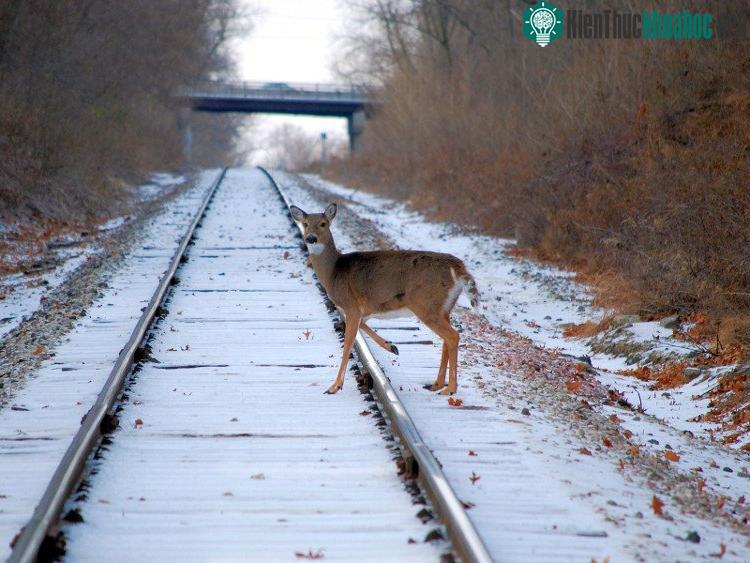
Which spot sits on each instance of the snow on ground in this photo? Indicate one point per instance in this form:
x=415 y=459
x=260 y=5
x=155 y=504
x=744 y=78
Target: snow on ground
x=161 y=183
x=538 y=301
x=536 y=461
x=239 y=455
x=46 y=413
x=21 y=294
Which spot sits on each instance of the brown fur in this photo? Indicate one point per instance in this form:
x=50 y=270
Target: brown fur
x=362 y=284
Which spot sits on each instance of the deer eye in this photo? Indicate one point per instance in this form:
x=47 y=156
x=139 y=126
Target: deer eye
x=323 y=224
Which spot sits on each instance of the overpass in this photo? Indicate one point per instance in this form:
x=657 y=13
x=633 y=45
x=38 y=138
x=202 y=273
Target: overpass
x=328 y=100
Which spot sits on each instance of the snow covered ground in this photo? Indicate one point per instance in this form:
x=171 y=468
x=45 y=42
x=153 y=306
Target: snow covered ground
x=22 y=293
x=37 y=429
x=228 y=450
x=577 y=483
x=548 y=473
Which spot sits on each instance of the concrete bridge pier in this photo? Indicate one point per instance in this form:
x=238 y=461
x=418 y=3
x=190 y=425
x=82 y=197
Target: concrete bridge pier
x=356 y=124
x=186 y=132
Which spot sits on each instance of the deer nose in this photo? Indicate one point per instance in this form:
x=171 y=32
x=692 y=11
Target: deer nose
x=311 y=239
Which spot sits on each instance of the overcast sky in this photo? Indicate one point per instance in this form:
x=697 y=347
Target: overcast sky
x=292 y=41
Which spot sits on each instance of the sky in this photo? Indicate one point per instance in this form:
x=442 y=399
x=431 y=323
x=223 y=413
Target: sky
x=291 y=41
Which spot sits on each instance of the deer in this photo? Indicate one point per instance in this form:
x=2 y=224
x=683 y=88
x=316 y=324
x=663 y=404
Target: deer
x=388 y=283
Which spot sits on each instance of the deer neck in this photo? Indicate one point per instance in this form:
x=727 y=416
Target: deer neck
x=325 y=263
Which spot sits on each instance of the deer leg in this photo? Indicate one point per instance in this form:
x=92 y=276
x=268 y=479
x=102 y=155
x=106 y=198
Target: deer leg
x=379 y=340
x=441 y=326
x=452 y=343
x=350 y=333
x=440 y=379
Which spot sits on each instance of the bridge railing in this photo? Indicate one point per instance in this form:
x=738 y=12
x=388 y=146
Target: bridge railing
x=275 y=90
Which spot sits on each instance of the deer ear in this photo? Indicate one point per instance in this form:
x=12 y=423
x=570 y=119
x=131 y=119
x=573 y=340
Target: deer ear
x=297 y=213
x=330 y=211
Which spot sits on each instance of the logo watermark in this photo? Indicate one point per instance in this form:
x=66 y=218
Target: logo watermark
x=542 y=23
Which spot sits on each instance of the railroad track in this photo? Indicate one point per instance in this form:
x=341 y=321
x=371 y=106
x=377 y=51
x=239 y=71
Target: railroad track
x=184 y=440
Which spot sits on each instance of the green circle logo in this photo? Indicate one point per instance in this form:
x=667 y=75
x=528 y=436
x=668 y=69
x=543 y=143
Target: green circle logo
x=542 y=23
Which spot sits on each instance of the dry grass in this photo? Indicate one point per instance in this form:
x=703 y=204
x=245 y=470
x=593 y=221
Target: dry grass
x=86 y=103
x=667 y=376
x=639 y=184
x=587 y=329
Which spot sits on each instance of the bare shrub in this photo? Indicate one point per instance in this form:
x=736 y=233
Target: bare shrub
x=86 y=95
x=625 y=159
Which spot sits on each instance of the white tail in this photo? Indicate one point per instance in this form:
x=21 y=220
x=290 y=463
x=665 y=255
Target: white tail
x=382 y=283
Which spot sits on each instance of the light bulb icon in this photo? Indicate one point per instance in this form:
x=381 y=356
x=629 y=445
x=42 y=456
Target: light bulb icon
x=542 y=21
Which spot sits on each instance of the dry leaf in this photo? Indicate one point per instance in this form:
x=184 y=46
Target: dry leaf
x=607 y=442
x=657 y=505
x=365 y=413
x=474 y=477
x=633 y=450
x=138 y=423
x=310 y=554
x=722 y=551
x=585 y=451
x=38 y=350
x=307 y=334
x=472 y=453
x=671 y=456
x=573 y=386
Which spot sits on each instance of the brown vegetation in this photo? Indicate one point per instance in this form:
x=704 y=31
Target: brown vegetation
x=627 y=159
x=86 y=98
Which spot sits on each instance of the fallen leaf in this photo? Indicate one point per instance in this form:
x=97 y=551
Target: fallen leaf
x=472 y=453
x=657 y=505
x=720 y=502
x=741 y=500
x=474 y=477
x=607 y=442
x=310 y=554
x=365 y=413
x=614 y=418
x=455 y=402
x=307 y=334
x=103 y=501
x=671 y=456
x=633 y=450
x=701 y=484
x=38 y=350
x=722 y=551
x=138 y=423
x=628 y=434
x=258 y=476
x=573 y=386
x=585 y=451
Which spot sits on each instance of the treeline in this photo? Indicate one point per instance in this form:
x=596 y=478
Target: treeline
x=626 y=159
x=86 y=97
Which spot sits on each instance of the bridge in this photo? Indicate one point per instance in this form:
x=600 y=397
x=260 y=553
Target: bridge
x=328 y=100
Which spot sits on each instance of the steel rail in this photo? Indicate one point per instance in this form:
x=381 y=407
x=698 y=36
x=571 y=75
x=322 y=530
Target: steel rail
x=70 y=468
x=417 y=455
